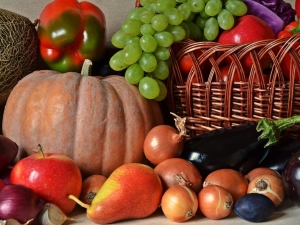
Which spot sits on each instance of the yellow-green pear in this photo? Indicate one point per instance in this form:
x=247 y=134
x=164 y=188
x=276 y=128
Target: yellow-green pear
x=132 y=191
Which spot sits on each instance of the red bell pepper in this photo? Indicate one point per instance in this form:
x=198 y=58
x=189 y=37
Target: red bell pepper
x=290 y=29
x=70 y=32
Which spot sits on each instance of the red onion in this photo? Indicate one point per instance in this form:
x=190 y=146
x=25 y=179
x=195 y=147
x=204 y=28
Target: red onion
x=5 y=175
x=8 y=151
x=163 y=141
x=20 y=203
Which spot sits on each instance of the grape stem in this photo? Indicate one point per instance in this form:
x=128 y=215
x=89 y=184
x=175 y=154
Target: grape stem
x=272 y=128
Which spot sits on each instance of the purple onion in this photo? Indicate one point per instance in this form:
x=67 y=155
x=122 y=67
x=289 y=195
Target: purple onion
x=8 y=151
x=5 y=175
x=20 y=203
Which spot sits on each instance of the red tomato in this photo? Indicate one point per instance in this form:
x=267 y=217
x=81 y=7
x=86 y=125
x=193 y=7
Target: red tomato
x=224 y=72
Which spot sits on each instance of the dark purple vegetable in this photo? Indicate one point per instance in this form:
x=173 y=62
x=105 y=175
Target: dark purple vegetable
x=281 y=8
x=240 y=147
x=291 y=178
x=20 y=203
x=280 y=154
x=8 y=151
x=5 y=175
x=264 y=13
x=254 y=207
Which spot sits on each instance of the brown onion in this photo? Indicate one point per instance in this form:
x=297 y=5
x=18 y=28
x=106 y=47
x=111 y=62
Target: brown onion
x=268 y=185
x=178 y=171
x=261 y=171
x=90 y=187
x=163 y=141
x=233 y=181
x=215 y=202
x=179 y=203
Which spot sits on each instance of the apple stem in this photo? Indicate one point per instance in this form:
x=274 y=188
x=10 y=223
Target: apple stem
x=41 y=150
x=79 y=202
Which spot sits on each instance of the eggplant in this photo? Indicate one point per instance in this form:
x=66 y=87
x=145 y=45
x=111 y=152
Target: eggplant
x=235 y=147
x=242 y=147
x=280 y=154
x=291 y=178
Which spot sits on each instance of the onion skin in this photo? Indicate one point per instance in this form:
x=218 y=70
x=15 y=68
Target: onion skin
x=261 y=171
x=90 y=187
x=233 y=181
x=178 y=167
x=179 y=203
x=162 y=142
x=20 y=203
x=215 y=202
x=268 y=185
x=8 y=151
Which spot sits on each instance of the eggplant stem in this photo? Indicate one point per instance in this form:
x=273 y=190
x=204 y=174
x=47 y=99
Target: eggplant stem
x=180 y=124
x=273 y=128
x=78 y=201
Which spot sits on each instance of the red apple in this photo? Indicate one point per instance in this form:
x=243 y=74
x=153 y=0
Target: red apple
x=52 y=176
x=248 y=29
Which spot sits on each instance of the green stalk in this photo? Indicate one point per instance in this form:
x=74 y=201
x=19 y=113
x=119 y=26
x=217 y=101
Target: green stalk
x=297 y=29
x=272 y=128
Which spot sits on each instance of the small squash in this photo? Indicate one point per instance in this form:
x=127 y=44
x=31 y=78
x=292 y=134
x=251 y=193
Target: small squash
x=100 y=122
x=18 y=50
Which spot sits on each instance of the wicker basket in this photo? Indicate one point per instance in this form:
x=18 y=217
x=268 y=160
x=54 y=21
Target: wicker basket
x=209 y=103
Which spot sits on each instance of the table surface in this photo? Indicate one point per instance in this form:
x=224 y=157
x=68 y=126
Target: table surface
x=286 y=214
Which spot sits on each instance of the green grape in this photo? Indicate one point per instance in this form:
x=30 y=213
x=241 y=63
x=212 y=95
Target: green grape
x=147 y=29
x=177 y=31
x=225 y=19
x=236 y=7
x=181 y=1
x=162 y=91
x=164 y=38
x=185 y=9
x=119 y=39
x=151 y=7
x=159 y=22
x=146 y=16
x=132 y=27
x=186 y=29
x=162 y=53
x=132 y=39
x=162 y=5
x=148 y=62
x=203 y=14
x=135 y=13
x=195 y=32
x=162 y=70
x=213 y=7
x=174 y=16
x=169 y=62
x=116 y=61
x=148 y=43
x=131 y=53
x=197 y=5
x=211 y=29
x=149 y=88
x=146 y=2
x=191 y=17
x=134 y=73
x=200 y=21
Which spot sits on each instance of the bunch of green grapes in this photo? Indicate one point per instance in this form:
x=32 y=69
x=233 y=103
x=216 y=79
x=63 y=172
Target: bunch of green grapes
x=148 y=32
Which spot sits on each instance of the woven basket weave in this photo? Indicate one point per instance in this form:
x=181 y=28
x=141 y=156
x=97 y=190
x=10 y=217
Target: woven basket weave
x=209 y=103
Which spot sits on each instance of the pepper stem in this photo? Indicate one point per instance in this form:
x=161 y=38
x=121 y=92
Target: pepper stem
x=272 y=128
x=297 y=29
x=41 y=150
x=86 y=69
x=78 y=201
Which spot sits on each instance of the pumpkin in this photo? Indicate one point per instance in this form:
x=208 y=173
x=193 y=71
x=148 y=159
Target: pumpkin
x=100 y=122
x=18 y=50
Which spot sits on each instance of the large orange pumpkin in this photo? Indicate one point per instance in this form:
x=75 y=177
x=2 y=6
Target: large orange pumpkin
x=100 y=122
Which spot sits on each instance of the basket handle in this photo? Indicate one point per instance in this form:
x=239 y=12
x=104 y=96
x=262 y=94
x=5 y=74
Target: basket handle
x=137 y=4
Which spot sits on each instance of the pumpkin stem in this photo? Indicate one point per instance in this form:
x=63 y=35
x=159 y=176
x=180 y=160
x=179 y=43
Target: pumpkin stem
x=78 y=201
x=41 y=150
x=180 y=124
x=86 y=69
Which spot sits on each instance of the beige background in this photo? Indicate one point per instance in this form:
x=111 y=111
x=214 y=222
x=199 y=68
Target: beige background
x=115 y=12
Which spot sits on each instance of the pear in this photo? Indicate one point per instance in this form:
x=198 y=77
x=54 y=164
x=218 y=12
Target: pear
x=132 y=191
